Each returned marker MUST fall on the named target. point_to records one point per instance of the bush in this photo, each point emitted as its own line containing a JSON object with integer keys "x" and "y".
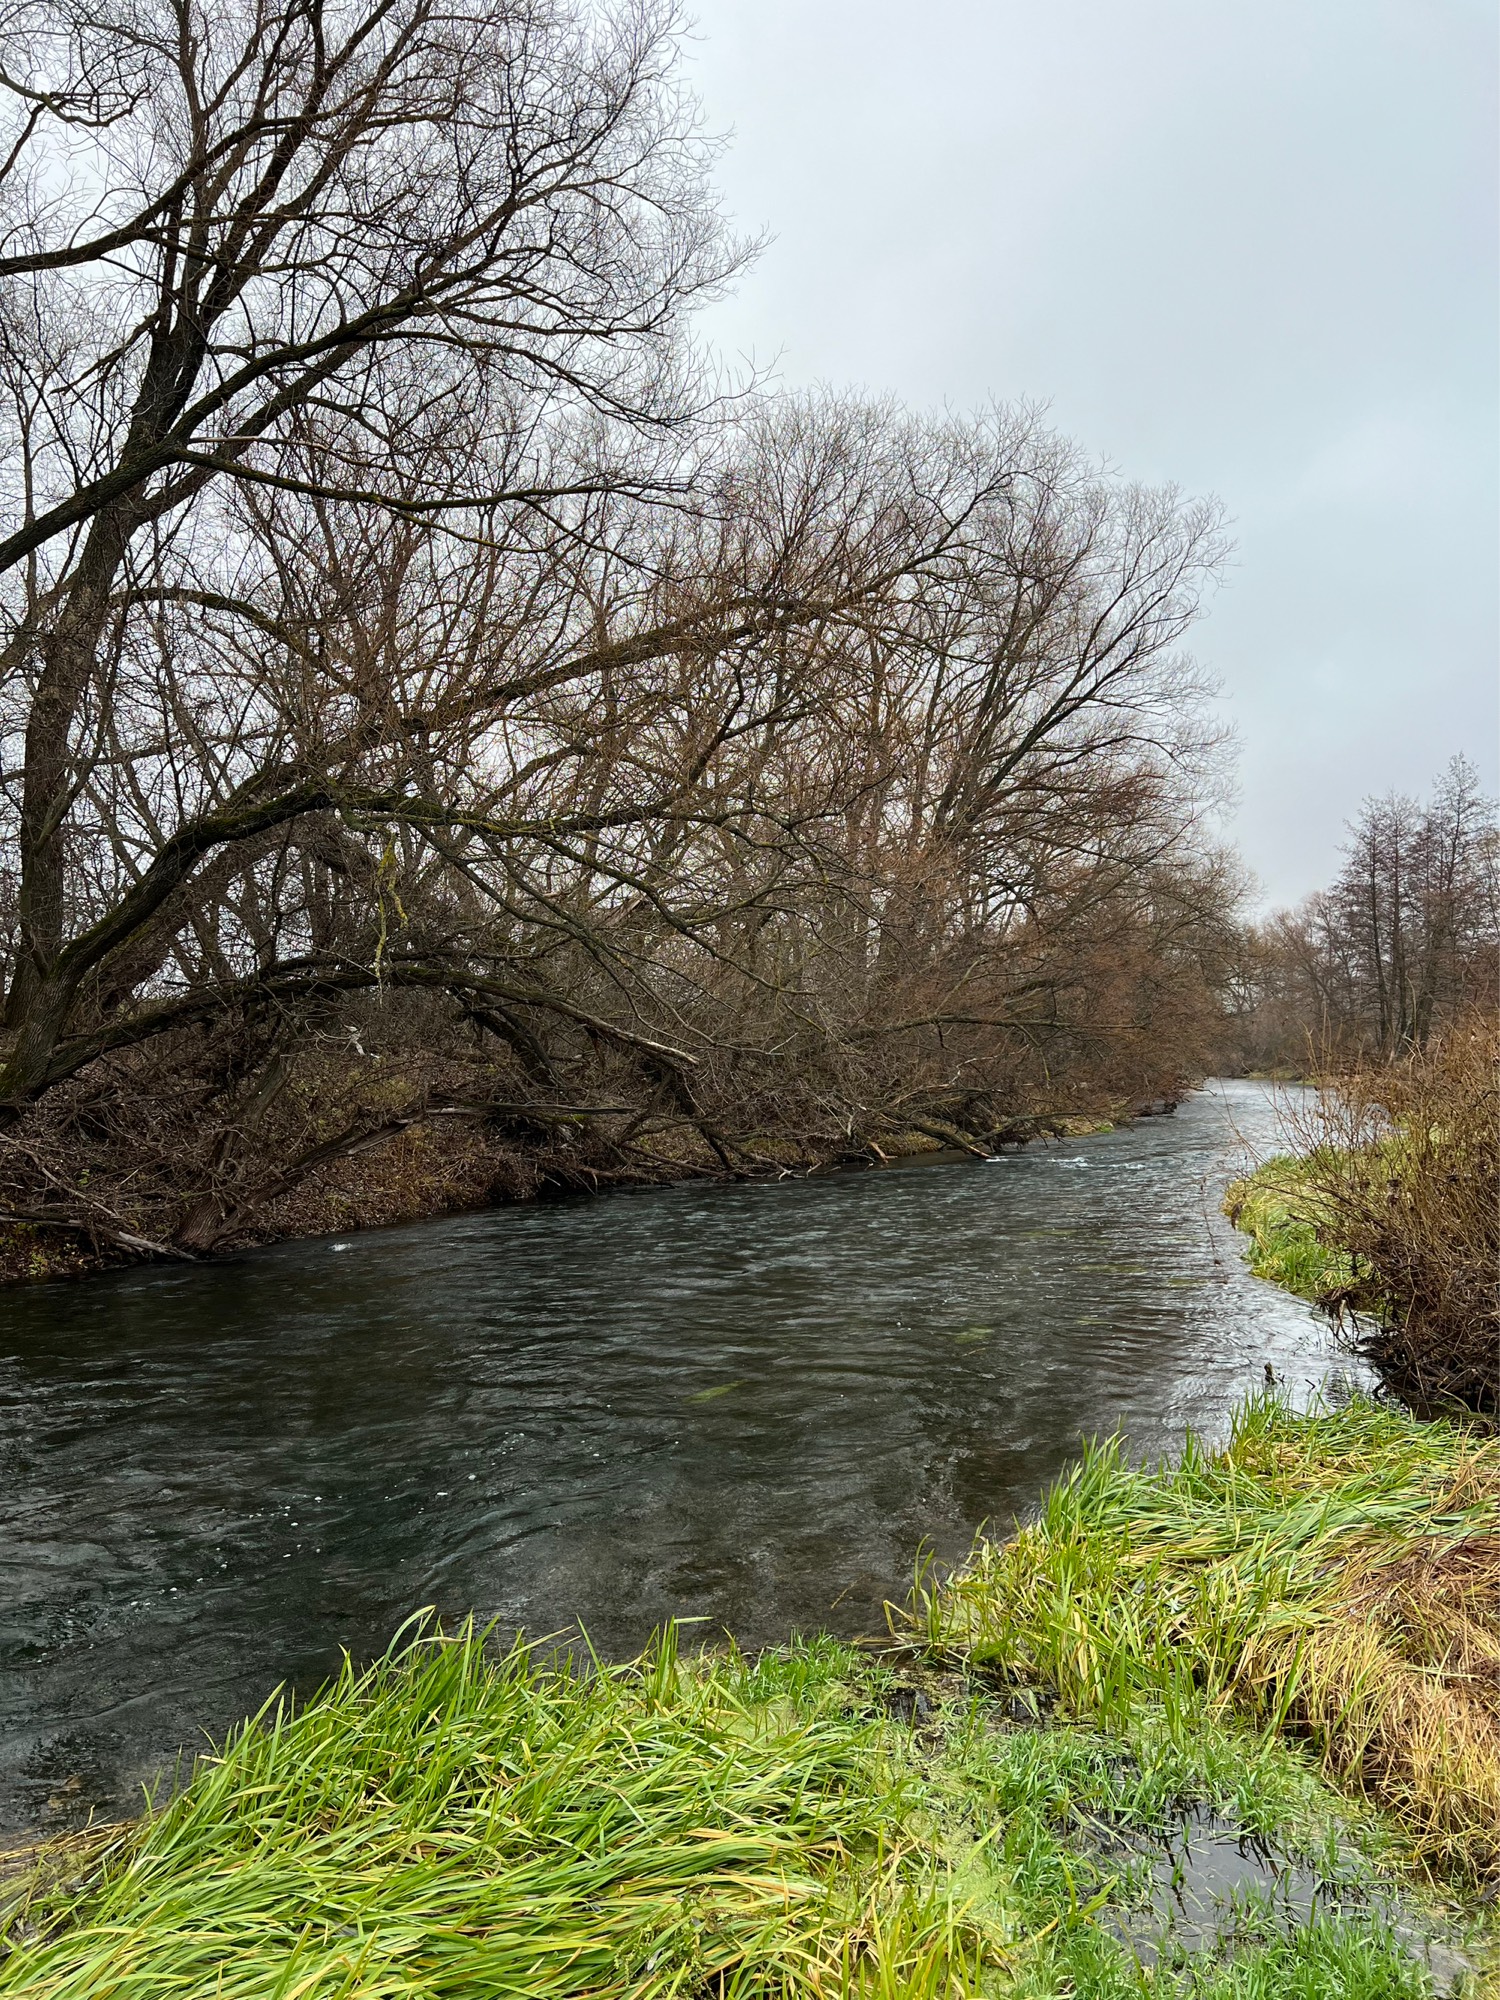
{"x": 1407, "y": 1178}
{"x": 1392, "y": 1211}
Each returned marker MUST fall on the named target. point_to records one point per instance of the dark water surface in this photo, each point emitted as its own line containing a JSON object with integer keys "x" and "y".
{"x": 748, "y": 1404}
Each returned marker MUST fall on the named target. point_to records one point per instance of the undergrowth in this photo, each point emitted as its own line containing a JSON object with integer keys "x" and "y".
{"x": 1392, "y": 1209}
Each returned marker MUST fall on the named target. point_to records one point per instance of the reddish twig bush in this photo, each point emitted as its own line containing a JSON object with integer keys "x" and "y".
{"x": 1405, "y": 1169}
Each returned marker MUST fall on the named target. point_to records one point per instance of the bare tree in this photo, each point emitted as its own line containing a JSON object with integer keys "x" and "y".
{"x": 407, "y": 661}
{"x": 1405, "y": 940}
{"x": 276, "y": 246}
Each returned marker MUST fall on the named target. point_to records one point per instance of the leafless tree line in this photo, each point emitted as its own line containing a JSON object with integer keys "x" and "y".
{"x": 428, "y": 695}
{"x": 1405, "y": 942}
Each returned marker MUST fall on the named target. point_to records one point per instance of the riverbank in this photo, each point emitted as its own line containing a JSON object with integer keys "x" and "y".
{"x": 1281, "y": 1208}
{"x": 748, "y": 1403}
{"x": 1044, "y": 1785}
{"x": 1402, "y": 1236}
{"x": 427, "y": 1167}
{"x": 1391, "y": 1210}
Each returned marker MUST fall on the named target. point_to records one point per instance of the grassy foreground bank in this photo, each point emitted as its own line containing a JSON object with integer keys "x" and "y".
{"x": 1297, "y": 1638}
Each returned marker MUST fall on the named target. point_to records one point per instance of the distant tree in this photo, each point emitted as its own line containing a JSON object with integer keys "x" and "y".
{"x": 1405, "y": 939}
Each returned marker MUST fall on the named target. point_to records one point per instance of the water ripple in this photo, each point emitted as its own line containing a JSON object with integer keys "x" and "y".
{"x": 748, "y": 1405}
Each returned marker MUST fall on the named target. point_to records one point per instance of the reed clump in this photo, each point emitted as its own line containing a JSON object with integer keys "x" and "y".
{"x": 450, "y": 1823}
{"x": 1336, "y": 1575}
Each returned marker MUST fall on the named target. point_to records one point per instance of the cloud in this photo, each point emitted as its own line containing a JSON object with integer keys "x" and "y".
{"x": 1248, "y": 247}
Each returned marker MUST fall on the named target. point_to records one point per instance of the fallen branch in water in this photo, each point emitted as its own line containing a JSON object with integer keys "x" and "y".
{"x": 94, "y": 1230}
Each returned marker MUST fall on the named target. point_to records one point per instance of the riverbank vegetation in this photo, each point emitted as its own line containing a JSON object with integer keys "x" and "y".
{"x": 1292, "y": 1645}
{"x": 454, "y": 745}
{"x": 1392, "y": 1212}
{"x": 450, "y": 747}
{"x": 1337, "y": 1575}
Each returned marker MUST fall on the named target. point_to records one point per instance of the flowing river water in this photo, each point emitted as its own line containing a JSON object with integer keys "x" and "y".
{"x": 750, "y": 1405}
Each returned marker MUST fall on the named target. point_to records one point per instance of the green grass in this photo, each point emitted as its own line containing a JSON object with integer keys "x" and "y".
{"x": 452, "y": 1823}
{"x": 1279, "y": 1209}
{"x": 1336, "y": 1573}
{"x": 458, "y": 1821}
{"x": 1046, "y": 1796}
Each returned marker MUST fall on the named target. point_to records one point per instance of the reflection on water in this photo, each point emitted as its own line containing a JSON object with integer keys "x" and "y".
{"x": 748, "y": 1405}
{"x": 1206, "y": 1879}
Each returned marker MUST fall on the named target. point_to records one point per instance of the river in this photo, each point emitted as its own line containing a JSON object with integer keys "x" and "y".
{"x": 749, "y": 1405}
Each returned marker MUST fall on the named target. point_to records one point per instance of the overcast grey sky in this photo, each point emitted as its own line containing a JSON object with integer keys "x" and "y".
{"x": 1248, "y": 246}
